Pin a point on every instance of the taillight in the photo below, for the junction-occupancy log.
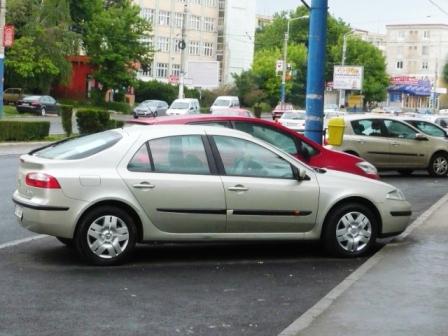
(35, 103)
(41, 180)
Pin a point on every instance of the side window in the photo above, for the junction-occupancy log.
(274, 137)
(179, 155)
(369, 127)
(396, 129)
(141, 161)
(429, 128)
(244, 158)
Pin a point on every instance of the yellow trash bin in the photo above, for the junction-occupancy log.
(335, 131)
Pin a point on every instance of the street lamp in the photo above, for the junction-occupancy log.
(344, 51)
(285, 56)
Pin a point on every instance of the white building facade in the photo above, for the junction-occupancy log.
(219, 33)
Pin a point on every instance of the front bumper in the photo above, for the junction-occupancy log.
(395, 216)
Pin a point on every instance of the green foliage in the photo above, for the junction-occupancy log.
(66, 116)
(118, 107)
(38, 58)
(113, 42)
(93, 121)
(445, 73)
(23, 130)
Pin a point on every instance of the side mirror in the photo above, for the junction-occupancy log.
(300, 174)
(420, 137)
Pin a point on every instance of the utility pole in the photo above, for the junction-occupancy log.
(344, 51)
(316, 68)
(2, 51)
(182, 46)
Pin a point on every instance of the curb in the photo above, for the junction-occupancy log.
(305, 320)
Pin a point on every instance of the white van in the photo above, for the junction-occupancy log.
(184, 106)
(225, 102)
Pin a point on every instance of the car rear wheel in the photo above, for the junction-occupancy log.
(106, 236)
(350, 230)
(438, 166)
(43, 111)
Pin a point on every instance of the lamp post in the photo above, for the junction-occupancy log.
(285, 59)
(344, 51)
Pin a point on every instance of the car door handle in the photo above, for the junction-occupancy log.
(238, 187)
(395, 143)
(144, 185)
(361, 142)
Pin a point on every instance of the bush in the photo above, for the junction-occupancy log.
(118, 106)
(92, 121)
(265, 107)
(23, 130)
(66, 116)
(155, 90)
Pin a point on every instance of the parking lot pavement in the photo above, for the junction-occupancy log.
(402, 293)
(243, 289)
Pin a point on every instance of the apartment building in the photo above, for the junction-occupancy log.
(415, 54)
(377, 39)
(218, 34)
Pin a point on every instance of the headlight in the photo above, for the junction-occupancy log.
(396, 195)
(367, 167)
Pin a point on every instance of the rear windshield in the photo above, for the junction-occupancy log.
(79, 148)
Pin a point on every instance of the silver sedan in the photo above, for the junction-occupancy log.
(105, 192)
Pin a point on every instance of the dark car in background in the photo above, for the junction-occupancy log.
(150, 108)
(37, 104)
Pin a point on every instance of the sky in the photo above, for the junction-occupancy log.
(371, 15)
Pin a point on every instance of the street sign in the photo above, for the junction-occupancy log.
(348, 77)
(8, 36)
(279, 66)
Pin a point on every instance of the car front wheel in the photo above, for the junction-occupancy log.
(350, 230)
(438, 166)
(106, 236)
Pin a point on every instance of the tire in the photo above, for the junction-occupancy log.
(339, 219)
(438, 166)
(405, 172)
(43, 111)
(106, 236)
(66, 241)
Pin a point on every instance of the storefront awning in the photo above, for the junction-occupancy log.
(415, 90)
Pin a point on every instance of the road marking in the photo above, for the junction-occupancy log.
(305, 320)
(21, 241)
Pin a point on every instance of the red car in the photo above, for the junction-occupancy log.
(284, 138)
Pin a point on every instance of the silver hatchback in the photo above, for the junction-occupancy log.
(105, 192)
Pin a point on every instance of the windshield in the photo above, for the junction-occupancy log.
(31, 98)
(294, 115)
(427, 128)
(79, 148)
(179, 105)
(151, 103)
(221, 102)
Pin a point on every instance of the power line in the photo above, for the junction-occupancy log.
(438, 7)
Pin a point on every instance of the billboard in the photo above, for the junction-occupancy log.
(204, 74)
(348, 77)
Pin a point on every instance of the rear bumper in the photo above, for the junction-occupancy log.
(24, 108)
(55, 220)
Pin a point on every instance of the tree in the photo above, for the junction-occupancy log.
(113, 41)
(38, 58)
(82, 12)
(367, 55)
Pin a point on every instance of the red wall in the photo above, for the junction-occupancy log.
(77, 86)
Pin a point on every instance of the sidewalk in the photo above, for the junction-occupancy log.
(404, 290)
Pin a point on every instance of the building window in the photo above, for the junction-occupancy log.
(161, 70)
(194, 48)
(148, 42)
(399, 64)
(208, 49)
(401, 35)
(195, 22)
(209, 24)
(179, 19)
(197, 2)
(175, 46)
(210, 3)
(400, 51)
(148, 14)
(425, 65)
(426, 34)
(425, 50)
(164, 18)
(147, 72)
(175, 70)
(163, 44)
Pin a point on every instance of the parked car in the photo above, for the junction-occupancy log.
(280, 109)
(439, 119)
(150, 108)
(12, 95)
(294, 120)
(234, 112)
(37, 104)
(244, 189)
(282, 137)
(224, 103)
(184, 106)
(391, 144)
(427, 127)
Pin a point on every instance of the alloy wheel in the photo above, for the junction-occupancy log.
(440, 165)
(353, 231)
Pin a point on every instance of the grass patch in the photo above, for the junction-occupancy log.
(9, 110)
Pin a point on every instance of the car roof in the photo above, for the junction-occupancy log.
(185, 99)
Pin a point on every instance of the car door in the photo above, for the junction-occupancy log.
(370, 141)
(262, 193)
(406, 150)
(172, 180)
